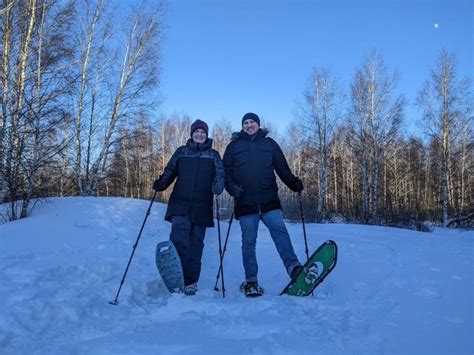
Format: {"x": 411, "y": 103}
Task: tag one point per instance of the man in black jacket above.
{"x": 250, "y": 162}
{"x": 199, "y": 175}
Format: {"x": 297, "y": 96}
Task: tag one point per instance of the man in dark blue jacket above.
{"x": 250, "y": 162}
{"x": 199, "y": 175}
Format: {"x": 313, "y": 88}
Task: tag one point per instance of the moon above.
{"x": 436, "y": 25}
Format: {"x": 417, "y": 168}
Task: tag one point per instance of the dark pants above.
{"x": 188, "y": 238}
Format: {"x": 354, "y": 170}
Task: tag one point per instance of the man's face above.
{"x": 199, "y": 135}
{"x": 250, "y": 127}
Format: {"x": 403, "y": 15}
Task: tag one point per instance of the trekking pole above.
{"x": 115, "y": 302}
{"x": 223, "y": 253}
{"x": 220, "y": 245}
{"x": 304, "y": 231}
{"x": 304, "y": 228}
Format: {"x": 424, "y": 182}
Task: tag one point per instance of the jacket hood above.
{"x": 261, "y": 133}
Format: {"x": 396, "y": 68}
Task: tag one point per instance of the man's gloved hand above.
{"x": 238, "y": 191}
{"x": 297, "y": 185}
{"x": 217, "y": 188}
{"x": 159, "y": 185}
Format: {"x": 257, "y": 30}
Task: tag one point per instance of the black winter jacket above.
{"x": 251, "y": 164}
{"x": 197, "y": 167}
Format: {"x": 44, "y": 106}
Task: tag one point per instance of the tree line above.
{"x": 79, "y": 93}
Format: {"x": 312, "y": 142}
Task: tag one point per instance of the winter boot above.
{"x": 251, "y": 289}
{"x": 190, "y": 290}
{"x": 296, "y": 270}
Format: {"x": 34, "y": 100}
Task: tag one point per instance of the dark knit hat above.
{"x": 251, "y": 116}
{"x": 199, "y": 124}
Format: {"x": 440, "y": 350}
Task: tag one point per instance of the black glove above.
{"x": 159, "y": 185}
{"x": 238, "y": 191}
{"x": 297, "y": 185}
{"x": 217, "y": 188}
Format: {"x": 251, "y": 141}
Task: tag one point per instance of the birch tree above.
{"x": 376, "y": 118}
{"x": 20, "y": 27}
{"x": 321, "y": 114}
{"x": 47, "y": 85}
{"x": 129, "y": 78}
{"x": 91, "y": 49}
{"x": 5, "y": 78}
{"x": 447, "y": 107}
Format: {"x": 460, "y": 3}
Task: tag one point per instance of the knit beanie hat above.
{"x": 251, "y": 116}
{"x": 199, "y": 124}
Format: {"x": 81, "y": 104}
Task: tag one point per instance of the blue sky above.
{"x": 225, "y": 58}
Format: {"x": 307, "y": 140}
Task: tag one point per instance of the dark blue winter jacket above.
{"x": 196, "y": 168}
{"x": 250, "y": 164}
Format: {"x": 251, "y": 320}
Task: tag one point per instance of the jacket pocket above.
{"x": 265, "y": 157}
{"x": 241, "y": 156}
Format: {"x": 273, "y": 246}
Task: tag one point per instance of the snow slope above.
{"x": 393, "y": 291}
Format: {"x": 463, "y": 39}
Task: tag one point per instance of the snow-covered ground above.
{"x": 393, "y": 291}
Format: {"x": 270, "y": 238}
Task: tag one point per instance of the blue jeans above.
{"x": 188, "y": 238}
{"x": 273, "y": 220}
